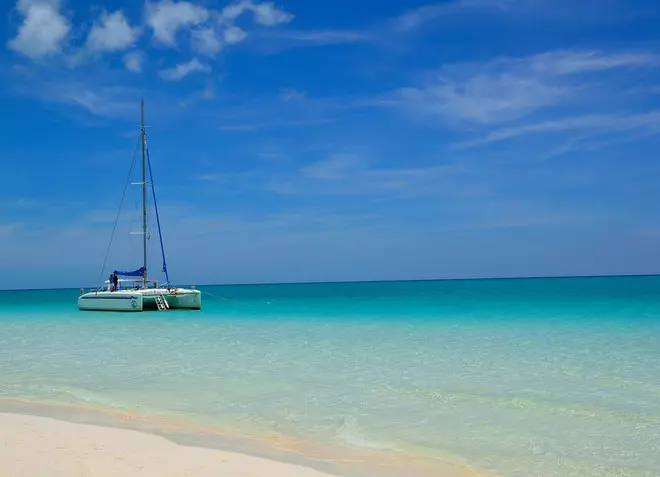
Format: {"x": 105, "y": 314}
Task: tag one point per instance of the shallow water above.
{"x": 521, "y": 378}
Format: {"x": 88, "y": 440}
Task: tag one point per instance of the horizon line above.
{"x": 416, "y": 280}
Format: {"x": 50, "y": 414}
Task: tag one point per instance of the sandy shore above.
{"x": 37, "y": 447}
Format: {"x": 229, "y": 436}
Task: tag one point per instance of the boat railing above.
{"x": 129, "y": 284}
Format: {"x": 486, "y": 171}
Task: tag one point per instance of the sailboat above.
{"x": 137, "y": 292}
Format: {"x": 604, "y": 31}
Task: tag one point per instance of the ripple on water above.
{"x": 523, "y": 378}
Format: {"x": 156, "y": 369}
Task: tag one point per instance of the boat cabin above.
{"x": 129, "y": 284}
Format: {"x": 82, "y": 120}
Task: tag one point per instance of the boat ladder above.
{"x": 161, "y": 303}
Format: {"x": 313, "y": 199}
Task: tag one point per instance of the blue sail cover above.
{"x": 135, "y": 273}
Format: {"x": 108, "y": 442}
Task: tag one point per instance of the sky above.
{"x": 330, "y": 141}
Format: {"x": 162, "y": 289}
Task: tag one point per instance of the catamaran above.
{"x": 138, "y": 292}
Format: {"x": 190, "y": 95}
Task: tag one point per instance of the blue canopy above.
{"x": 135, "y": 273}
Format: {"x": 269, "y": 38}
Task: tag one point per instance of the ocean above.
{"x": 511, "y": 378}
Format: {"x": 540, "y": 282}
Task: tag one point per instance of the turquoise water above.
{"x": 518, "y": 378}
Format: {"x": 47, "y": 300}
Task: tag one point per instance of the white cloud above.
{"x": 209, "y": 30}
{"x": 338, "y": 166}
{"x": 231, "y": 12}
{"x": 320, "y": 37}
{"x": 560, "y": 63}
{"x": 290, "y": 94}
{"x": 388, "y": 33}
{"x": 26, "y": 202}
{"x": 482, "y": 98}
{"x": 166, "y": 18}
{"x": 107, "y": 102}
{"x": 268, "y": 14}
{"x": 182, "y": 70}
{"x": 350, "y": 175}
{"x": 509, "y": 88}
{"x": 234, "y": 35}
{"x": 206, "y": 41}
{"x": 69, "y": 88}
{"x": 8, "y": 229}
{"x": 112, "y": 33}
{"x": 208, "y": 93}
{"x": 417, "y": 17}
{"x": 43, "y": 30}
{"x": 133, "y": 61}
{"x": 600, "y": 123}
{"x": 265, "y": 13}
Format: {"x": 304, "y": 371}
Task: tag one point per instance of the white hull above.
{"x": 181, "y": 298}
{"x": 123, "y": 300}
{"x": 140, "y": 299}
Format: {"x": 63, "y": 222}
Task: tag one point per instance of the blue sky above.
{"x": 297, "y": 140}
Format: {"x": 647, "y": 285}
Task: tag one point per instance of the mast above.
{"x": 144, "y": 200}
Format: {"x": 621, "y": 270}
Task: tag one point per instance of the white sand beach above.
{"x": 37, "y": 447}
